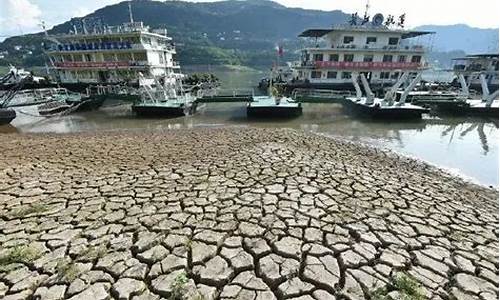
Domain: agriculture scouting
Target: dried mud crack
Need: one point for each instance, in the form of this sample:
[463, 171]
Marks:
[236, 214]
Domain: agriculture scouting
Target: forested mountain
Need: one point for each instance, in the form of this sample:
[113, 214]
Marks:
[226, 32]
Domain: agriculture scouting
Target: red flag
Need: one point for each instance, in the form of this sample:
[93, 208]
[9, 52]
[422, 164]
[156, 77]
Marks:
[280, 50]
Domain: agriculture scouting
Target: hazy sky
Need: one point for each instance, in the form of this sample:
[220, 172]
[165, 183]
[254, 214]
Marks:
[24, 16]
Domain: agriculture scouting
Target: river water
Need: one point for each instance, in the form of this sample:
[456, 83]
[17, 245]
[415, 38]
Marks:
[467, 147]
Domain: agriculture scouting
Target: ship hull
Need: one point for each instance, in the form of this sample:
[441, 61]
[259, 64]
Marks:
[157, 111]
[385, 113]
[273, 112]
[464, 109]
[7, 115]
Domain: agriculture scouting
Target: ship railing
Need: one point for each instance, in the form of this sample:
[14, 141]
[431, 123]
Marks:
[377, 47]
[140, 46]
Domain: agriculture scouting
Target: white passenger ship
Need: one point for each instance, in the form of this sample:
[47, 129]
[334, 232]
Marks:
[112, 54]
[472, 66]
[382, 50]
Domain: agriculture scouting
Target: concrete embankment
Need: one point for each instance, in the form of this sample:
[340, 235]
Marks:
[236, 214]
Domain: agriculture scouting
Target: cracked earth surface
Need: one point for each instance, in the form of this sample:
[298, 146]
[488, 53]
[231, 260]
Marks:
[237, 213]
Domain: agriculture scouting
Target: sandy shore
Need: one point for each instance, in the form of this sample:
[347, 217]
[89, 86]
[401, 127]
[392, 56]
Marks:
[236, 214]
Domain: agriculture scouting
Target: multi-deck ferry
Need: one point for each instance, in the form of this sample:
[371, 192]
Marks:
[379, 49]
[472, 66]
[112, 54]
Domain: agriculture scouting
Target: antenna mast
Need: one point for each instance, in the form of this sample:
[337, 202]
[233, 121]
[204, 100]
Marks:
[130, 12]
[367, 7]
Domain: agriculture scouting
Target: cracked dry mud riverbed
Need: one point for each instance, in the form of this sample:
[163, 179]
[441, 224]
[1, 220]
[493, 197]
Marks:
[236, 214]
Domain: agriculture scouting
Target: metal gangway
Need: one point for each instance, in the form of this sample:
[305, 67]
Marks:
[320, 95]
[216, 95]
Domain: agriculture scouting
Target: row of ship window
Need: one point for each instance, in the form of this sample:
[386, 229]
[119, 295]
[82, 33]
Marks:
[371, 39]
[368, 58]
[95, 46]
[347, 75]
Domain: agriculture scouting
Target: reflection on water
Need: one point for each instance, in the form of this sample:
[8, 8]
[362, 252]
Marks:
[466, 146]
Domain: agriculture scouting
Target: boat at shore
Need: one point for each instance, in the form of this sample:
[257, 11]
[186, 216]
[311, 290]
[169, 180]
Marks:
[7, 115]
[381, 49]
[167, 99]
[471, 67]
[273, 107]
[386, 108]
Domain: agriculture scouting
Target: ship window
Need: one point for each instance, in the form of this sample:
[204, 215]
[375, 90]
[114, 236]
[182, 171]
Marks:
[124, 56]
[318, 57]
[416, 58]
[384, 75]
[331, 75]
[395, 75]
[316, 74]
[108, 57]
[348, 39]
[67, 57]
[402, 58]
[371, 39]
[346, 75]
[140, 56]
[387, 58]
[88, 57]
[334, 57]
[393, 41]
[348, 57]
[368, 58]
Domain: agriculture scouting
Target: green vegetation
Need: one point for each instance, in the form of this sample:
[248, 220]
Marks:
[67, 271]
[198, 78]
[407, 286]
[19, 254]
[178, 287]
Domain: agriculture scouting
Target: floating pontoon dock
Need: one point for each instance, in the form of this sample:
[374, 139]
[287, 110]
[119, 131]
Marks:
[386, 108]
[273, 107]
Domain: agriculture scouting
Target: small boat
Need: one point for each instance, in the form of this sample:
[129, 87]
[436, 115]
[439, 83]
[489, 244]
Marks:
[463, 104]
[53, 107]
[7, 115]
[86, 103]
[165, 100]
[379, 109]
[386, 108]
[273, 107]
